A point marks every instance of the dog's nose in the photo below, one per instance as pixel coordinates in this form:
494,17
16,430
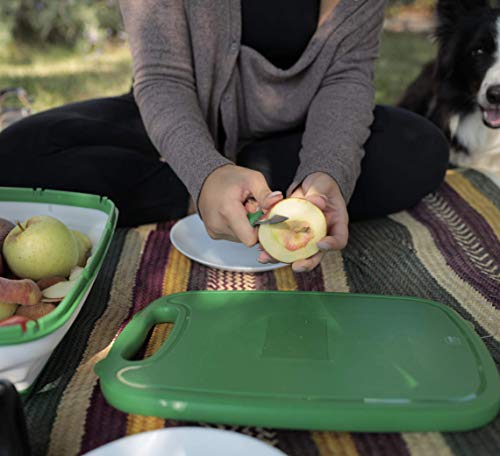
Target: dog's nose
493,94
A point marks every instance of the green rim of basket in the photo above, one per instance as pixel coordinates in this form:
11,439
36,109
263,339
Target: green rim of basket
10,335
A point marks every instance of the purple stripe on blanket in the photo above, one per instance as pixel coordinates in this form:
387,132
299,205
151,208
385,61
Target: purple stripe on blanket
465,257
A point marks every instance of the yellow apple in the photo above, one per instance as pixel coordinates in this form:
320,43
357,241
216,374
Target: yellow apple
41,247
295,238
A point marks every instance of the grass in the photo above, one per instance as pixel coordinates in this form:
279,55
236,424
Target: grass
402,56
55,76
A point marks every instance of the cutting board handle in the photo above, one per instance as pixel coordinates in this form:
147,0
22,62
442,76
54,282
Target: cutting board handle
132,338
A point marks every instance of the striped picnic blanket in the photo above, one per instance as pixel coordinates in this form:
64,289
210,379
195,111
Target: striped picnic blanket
445,249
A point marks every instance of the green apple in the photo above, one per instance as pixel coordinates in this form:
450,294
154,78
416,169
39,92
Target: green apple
7,310
41,247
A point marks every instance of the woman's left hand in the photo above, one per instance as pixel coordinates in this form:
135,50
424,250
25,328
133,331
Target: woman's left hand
323,191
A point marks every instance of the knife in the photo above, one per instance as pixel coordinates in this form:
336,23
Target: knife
253,218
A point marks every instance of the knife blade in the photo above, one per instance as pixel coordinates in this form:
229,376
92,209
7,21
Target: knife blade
254,219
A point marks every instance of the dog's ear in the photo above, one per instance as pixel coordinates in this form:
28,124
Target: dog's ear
449,11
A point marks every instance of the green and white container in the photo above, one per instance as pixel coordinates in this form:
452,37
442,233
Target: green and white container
23,354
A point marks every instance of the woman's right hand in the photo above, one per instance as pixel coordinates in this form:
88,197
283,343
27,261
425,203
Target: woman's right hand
223,202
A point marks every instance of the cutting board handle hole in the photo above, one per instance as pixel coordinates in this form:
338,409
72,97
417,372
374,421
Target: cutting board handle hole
157,335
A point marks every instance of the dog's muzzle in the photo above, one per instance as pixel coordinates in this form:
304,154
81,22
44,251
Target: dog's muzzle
491,112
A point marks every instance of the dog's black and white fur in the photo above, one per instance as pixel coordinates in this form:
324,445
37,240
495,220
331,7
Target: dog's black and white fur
460,90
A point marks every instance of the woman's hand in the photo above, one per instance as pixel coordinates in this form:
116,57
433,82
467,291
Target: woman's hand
323,191
224,202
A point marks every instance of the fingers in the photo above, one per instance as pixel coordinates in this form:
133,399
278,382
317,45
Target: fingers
318,200
297,193
236,218
218,235
312,195
232,225
338,233
332,243
340,228
251,205
293,187
224,202
308,264
264,257
261,191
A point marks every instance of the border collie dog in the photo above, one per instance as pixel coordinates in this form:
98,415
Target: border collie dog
460,90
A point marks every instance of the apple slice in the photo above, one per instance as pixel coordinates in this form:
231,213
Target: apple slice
75,274
59,290
295,238
49,281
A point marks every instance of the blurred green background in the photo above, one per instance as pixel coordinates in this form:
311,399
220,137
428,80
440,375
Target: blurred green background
67,50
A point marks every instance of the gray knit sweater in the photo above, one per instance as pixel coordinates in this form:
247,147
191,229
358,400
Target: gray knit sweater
188,64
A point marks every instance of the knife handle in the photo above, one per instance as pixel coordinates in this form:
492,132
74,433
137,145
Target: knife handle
254,216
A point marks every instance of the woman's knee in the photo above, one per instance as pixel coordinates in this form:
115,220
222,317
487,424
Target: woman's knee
406,159
26,137
437,153
416,140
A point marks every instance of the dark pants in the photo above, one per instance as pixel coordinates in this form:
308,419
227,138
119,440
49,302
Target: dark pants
100,146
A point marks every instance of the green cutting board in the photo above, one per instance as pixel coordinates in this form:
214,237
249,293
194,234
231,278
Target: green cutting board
305,360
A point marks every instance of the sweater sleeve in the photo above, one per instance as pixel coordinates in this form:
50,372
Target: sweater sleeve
165,89
341,112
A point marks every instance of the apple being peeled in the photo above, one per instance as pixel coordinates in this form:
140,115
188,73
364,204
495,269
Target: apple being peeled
295,238
41,247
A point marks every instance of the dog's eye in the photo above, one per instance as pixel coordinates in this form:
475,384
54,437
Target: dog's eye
477,52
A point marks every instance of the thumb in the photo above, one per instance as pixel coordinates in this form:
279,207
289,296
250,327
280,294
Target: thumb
316,190
315,183
263,194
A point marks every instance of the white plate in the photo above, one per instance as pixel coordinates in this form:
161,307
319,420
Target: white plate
190,237
187,441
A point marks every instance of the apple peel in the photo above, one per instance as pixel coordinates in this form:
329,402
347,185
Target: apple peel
295,238
35,312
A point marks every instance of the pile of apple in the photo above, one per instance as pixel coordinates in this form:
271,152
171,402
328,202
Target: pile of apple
40,261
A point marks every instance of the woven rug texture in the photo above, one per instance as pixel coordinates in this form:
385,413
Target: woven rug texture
445,249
